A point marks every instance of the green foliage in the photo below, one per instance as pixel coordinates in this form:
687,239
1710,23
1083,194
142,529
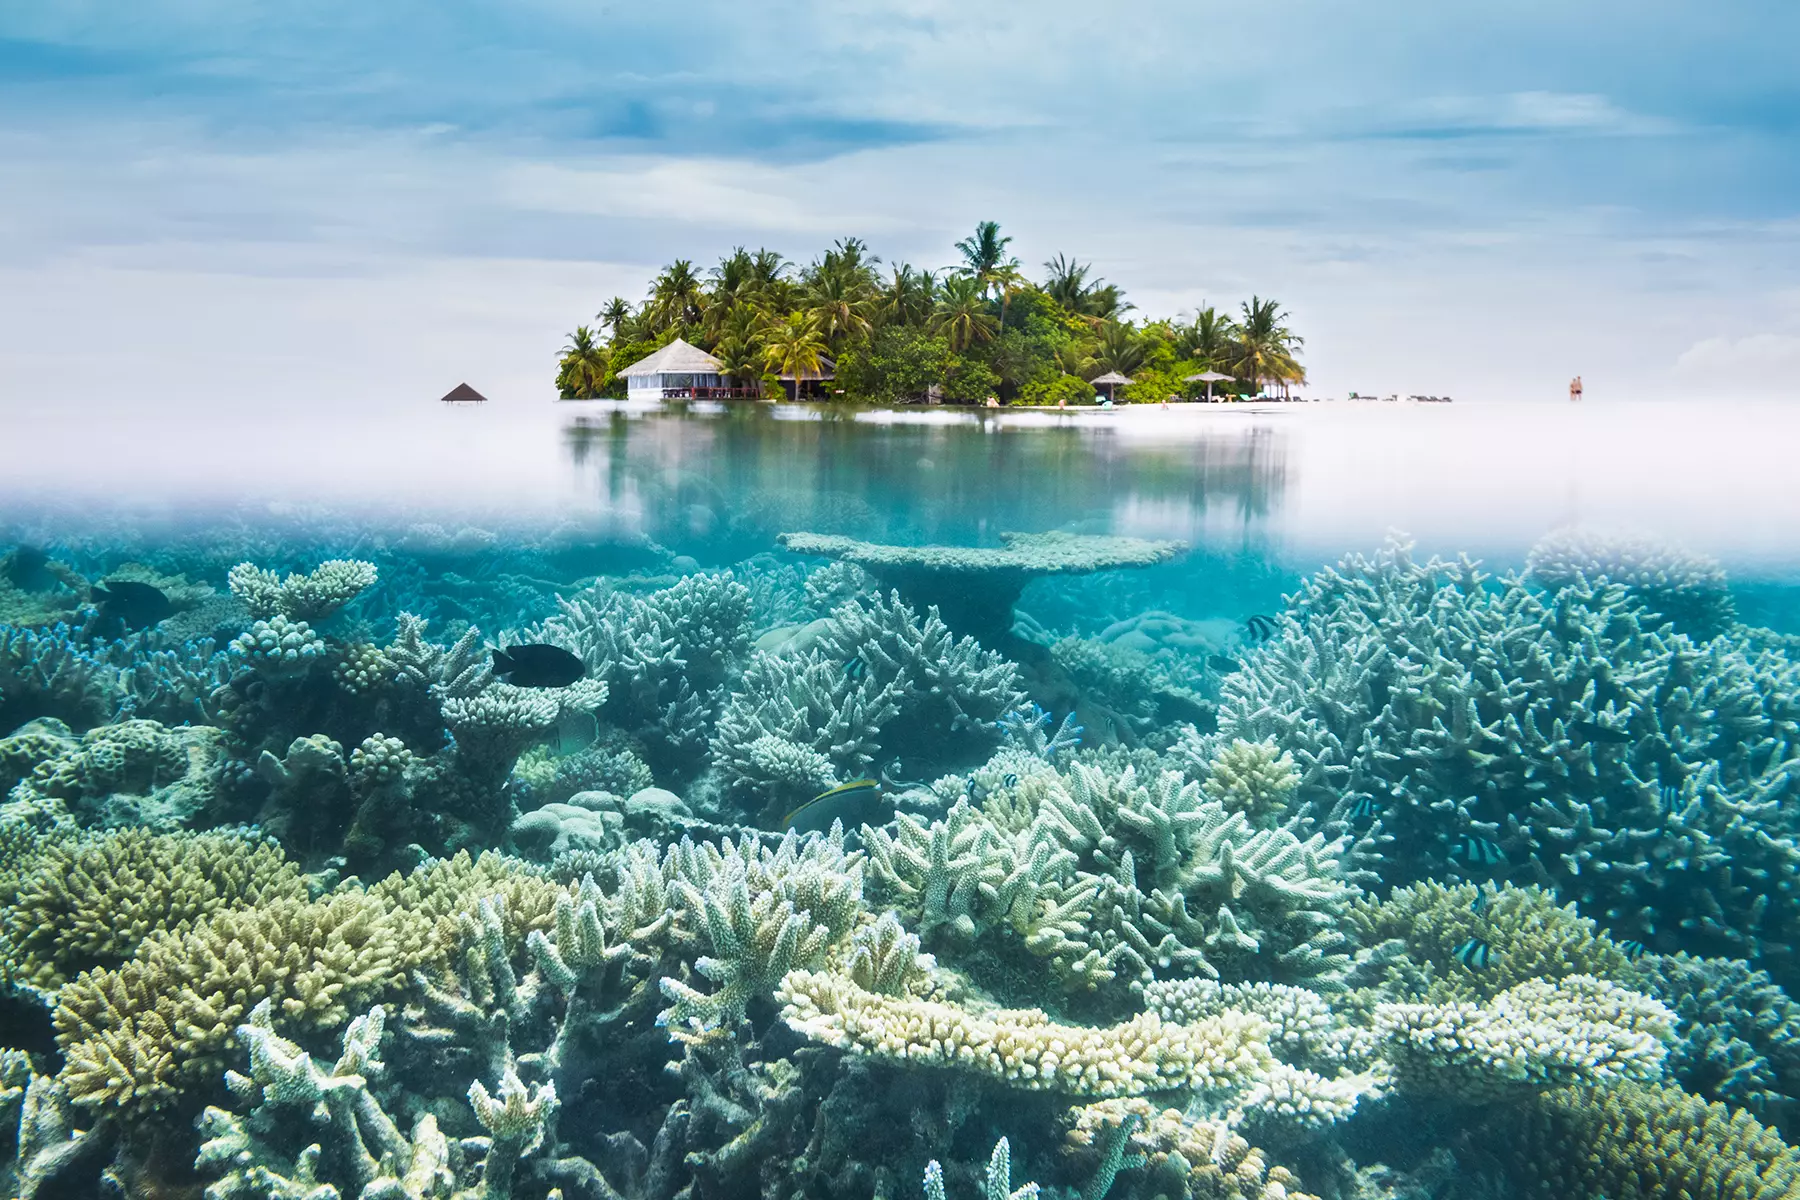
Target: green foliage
896,366
896,332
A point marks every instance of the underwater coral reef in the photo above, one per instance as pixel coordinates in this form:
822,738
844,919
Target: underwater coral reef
839,873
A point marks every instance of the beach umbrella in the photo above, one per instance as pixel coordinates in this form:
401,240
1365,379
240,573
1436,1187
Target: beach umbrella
463,393
1111,379
1208,378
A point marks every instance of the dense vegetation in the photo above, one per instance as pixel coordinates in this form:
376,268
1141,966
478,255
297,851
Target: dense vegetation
895,332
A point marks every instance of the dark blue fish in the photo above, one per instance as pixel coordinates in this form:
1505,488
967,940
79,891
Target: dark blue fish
538,666
1478,905
852,803
856,668
1474,954
134,605
1474,849
1364,808
1595,732
1260,628
1221,664
1632,950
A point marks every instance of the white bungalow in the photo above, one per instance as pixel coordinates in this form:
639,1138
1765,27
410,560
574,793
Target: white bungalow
679,371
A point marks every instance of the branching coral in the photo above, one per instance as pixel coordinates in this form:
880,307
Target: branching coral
1650,778
1024,1047
1253,777
88,902
1691,590
48,673
878,678
1539,1033
1199,1160
310,597
1116,879
1635,1140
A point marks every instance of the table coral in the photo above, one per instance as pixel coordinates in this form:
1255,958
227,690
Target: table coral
310,597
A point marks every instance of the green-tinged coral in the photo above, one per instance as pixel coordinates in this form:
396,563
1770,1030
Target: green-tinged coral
1194,1160
1414,935
1024,1047
131,772
1253,777
89,901
309,597
1536,1033
49,673
1635,1141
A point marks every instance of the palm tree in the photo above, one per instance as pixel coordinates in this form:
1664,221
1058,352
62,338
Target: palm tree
1095,302
1209,340
615,314
961,313
1265,347
840,297
1006,279
907,297
676,298
793,348
1121,349
985,253
584,367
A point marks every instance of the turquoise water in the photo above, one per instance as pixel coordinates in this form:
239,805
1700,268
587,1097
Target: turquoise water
1168,795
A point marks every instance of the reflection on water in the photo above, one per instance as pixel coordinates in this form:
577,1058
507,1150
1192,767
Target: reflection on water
722,486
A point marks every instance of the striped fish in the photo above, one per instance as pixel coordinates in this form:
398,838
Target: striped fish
1474,849
851,803
1474,954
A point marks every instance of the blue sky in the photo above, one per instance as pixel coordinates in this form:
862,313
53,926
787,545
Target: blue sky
1480,200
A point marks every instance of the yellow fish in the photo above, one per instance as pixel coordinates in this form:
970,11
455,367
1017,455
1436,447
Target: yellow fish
850,803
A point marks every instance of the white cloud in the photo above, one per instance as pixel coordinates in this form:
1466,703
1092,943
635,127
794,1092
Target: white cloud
1769,362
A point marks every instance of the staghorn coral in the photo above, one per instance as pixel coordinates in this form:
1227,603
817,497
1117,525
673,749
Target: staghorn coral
997,1185
1737,1034
302,598
49,673
877,679
360,1150
1634,1141
1649,778
1112,879
1535,1033
89,901
1689,589
1024,1047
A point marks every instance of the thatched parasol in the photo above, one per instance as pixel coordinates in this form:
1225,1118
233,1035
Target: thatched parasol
1208,378
461,393
1111,379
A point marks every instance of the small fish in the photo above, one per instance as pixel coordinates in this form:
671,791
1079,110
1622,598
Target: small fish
1364,808
1671,796
1474,954
1595,732
856,668
1260,628
1222,664
1632,950
852,803
134,605
1009,780
538,666
1478,905
1474,849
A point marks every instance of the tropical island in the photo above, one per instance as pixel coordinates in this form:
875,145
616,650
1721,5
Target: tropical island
846,326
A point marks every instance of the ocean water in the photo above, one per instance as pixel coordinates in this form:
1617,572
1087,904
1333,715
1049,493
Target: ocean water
1319,800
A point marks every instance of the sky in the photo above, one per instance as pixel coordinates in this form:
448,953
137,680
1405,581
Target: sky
223,203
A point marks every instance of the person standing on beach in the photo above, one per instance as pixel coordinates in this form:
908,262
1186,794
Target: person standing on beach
1575,388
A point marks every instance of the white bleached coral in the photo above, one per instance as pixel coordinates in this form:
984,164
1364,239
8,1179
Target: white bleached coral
309,597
